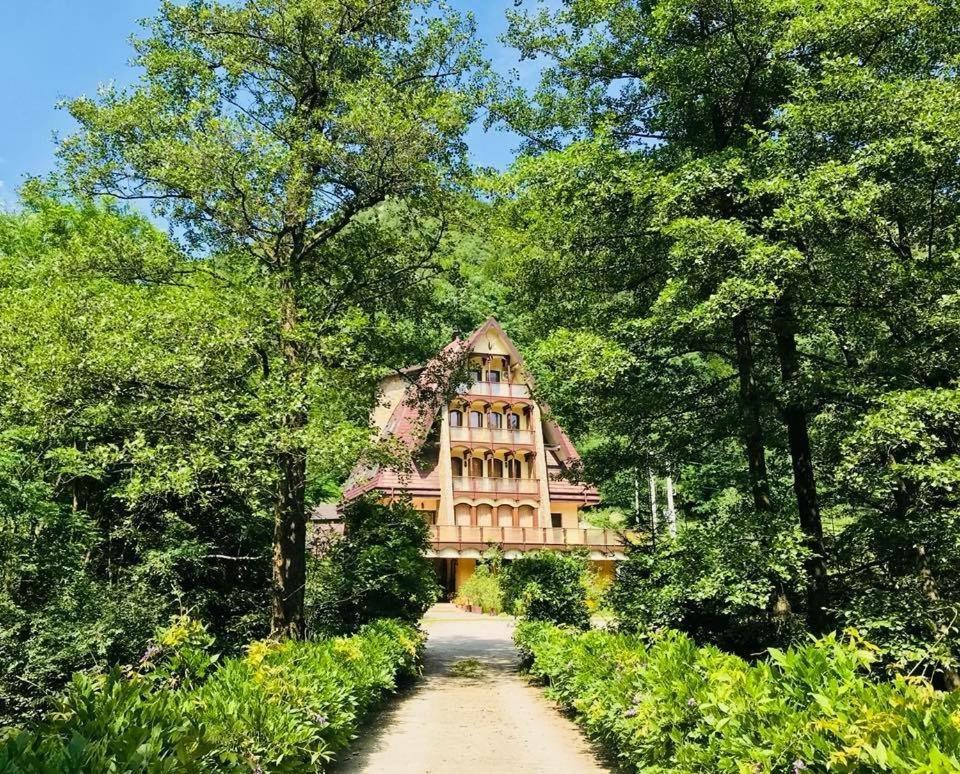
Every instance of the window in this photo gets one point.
(497, 468)
(474, 374)
(461, 514)
(505, 516)
(513, 421)
(514, 469)
(456, 418)
(484, 515)
(494, 420)
(429, 516)
(556, 520)
(456, 465)
(476, 467)
(493, 376)
(476, 419)
(526, 516)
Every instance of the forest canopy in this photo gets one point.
(727, 246)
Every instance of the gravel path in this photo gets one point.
(494, 723)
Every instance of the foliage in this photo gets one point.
(312, 147)
(597, 587)
(131, 452)
(378, 569)
(734, 238)
(723, 579)
(546, 586)
(283, 707)
(663, 704)
(482, 589)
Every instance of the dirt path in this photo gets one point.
(495, 723)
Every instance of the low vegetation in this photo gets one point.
(547, 586)
(483, 590)
(284, 706)
(661, 703)
(376, 569)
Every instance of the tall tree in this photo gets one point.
(281, 132)
(700, 152)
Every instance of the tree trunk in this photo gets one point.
(750, 413)
(289, 525)
(804, 484)
(671, 511)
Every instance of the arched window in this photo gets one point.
(494, 420)
(461, 514)
(505, 516)
(513, 421)
(514, 468)
(476, 419)
(526, 515)
(456, 466)
(497, 468)
(484, 515)
(456, 418)
(476, 467)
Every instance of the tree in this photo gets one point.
(308, 141)
(376, 569)
(704, 183)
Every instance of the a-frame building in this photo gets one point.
(488, 468)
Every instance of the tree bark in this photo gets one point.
(804, 483)
(289, 525)
(750, 414)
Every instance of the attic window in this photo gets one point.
(493, 376)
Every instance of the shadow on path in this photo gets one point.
(473, 717)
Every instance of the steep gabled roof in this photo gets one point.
(413, 416)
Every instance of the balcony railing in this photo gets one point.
(511, 486)
(495, 389)
(497, 435)
(449, 535)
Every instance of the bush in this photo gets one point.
(720, 579)
(482, 589)
(663, 704)
(547, 586)
(377, 569)
(285, 706)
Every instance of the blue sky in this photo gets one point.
(50, 49)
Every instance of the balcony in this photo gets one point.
(491, 435)
(495, 389)
(524, 538)
(499, 486)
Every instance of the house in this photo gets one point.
(488, 468)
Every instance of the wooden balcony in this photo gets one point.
(491, 436)
(495, 389)
(496, 486)
(524, 538)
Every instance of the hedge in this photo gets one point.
(662, 704)
(287, 706)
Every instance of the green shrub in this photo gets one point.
(287, 706)
(482, 589)
(547, 586)
(663, 704)
(378, 569)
